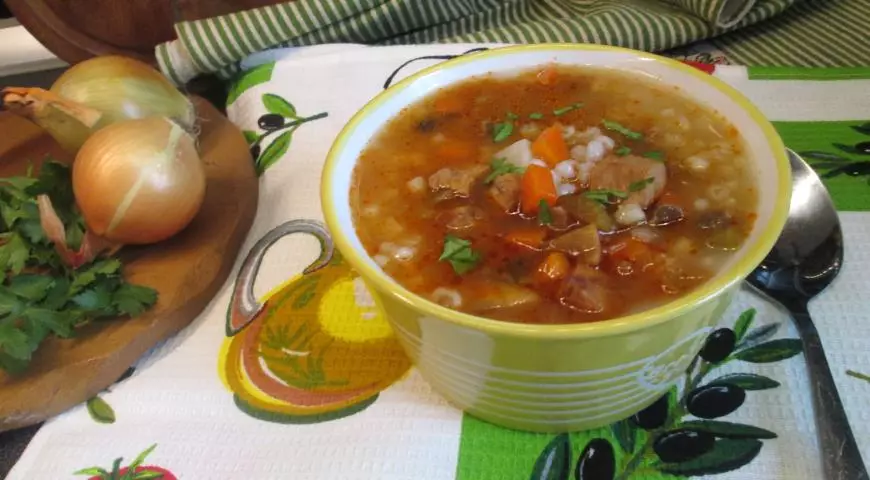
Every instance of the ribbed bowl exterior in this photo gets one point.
(551, 385)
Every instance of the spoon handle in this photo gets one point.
(841, 459)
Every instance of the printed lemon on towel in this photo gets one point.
(348, 312)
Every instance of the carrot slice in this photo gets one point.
(550, 146)
(554, 267)
(456, 151)
(537, 185)
(531, 238)
(633, 251)
(548, 75)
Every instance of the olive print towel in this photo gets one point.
(741, 412)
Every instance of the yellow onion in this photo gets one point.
(122, 88)
(96, 93)
(139, 181)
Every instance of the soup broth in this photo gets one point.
(556, 195)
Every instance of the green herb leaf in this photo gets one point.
(14, 254)
(14, 342)
(640, 184)
(97, 299)
(744, 321)
(622, 151)
(554, 461)
(618, 128)
(458, 252)
(501, 131)
(133, 300)
(512, 116)
(500, 166)
(52, 320)
(746, 381)
(655, 155)
(570, 108)
(536, 116)
(772, 351)
(30, 286)
(10, 302)
(604, 195)
(88, 274)
(545, 215)
(100, 411)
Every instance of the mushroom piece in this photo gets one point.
(665, 215)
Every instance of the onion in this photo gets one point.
(97, 93)
(122, 89)
(138, 181)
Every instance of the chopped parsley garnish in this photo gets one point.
(622, 151)
(500, 167)
(640, 184)
(512, 116)
(570, 108)
(655, 155)
(618, 128)
(502, 131)
(458, 252)
(545, 215)
(536, 116)
(604, 195)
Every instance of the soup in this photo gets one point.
(559, 195)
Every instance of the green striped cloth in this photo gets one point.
(799, 32)
(216, 45)
(819, 33)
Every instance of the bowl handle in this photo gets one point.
(244, 306)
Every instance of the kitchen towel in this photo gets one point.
(198, 400)
(215, 45)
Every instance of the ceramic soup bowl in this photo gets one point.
(551, 378)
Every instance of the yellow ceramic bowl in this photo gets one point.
(557, 377)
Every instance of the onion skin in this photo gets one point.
(139, 181)
(123, 89)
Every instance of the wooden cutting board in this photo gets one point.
(186, 270)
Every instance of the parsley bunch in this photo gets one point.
(39, 294)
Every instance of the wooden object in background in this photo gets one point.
(75, 30)
(186, 270)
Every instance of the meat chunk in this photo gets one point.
(619, 173)
(505, 190)
(561, 220)
(585, 289)
(461, 218)
(581, 242)
(450, 183)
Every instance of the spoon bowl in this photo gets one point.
(804, 261)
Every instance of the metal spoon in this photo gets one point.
(805, 260)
